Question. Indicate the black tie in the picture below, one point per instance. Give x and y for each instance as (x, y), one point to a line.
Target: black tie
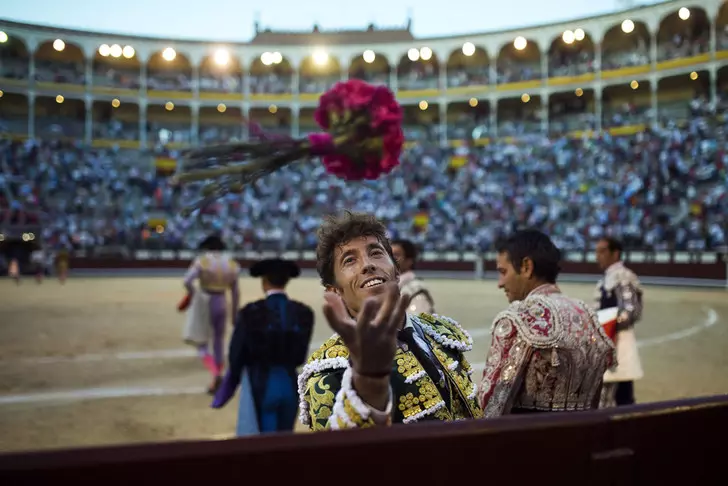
(421, 349)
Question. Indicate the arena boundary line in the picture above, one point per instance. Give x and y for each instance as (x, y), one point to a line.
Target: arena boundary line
(711, 319)
(96, 393)
(153, 354)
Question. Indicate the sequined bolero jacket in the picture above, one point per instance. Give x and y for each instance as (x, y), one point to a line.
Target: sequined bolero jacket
(621, 288)
(328, 400)
(548, 353)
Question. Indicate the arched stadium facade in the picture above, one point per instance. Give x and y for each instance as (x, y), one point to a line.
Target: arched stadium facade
(57, 82)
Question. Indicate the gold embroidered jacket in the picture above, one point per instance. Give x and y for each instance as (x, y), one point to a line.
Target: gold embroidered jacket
(327, 400)
(548, 352)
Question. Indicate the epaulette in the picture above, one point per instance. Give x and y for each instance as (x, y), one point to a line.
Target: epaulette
(621, 276)
(445, 331)
(333, 347)
(537, 320)
(331, 355)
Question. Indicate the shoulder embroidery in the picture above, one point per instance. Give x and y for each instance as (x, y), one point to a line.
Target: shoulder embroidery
(536, 319)
(333, 347)
(621, 276)
(332, 355)
(445, 331)
(505, 321)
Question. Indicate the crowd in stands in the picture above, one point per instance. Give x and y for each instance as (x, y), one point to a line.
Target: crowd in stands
(664, 188)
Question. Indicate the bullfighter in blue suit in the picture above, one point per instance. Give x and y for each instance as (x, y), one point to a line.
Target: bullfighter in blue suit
(270, 340)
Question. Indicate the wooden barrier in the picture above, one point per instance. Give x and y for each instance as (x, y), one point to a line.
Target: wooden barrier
(680, 442)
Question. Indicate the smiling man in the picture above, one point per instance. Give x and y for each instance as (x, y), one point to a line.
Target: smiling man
(383, 365)
(548, 351)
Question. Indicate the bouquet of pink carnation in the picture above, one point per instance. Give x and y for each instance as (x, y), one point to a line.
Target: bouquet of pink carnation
(363, 139)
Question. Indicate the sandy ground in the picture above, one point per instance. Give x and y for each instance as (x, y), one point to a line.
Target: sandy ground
(100, 360)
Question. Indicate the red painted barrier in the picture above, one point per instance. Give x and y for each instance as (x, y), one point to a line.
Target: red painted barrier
(661, 443)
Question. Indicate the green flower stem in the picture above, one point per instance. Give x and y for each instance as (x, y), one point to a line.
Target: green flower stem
(253, 160)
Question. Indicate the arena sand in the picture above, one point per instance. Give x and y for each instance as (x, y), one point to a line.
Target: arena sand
(100, 360)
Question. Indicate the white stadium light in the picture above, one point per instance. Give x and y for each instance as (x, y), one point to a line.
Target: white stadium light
(104, 50)
(627, 26)
(369, 56)
(276, 57)
(468, 49)
(579, 35)
(3, 37)
(266, 58)
(320, 57)
(425, 53)
(59, 45)
(128, 52)
(222, 57)
(568, 37)
(413, 54)
(116, 50)
(520, 43)
(169, 54)
(684, 13)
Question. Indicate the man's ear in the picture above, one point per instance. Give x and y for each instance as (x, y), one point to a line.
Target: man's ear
(527, 267)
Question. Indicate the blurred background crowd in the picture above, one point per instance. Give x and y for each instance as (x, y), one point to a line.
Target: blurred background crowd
(661, 186)
(664, 188)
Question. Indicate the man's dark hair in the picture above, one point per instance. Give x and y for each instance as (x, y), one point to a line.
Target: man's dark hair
(613, 244)
(538, 247)
(339, 230)
(409, 249)
(279, 280)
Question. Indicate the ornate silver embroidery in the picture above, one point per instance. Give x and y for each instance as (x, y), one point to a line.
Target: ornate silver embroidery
(555, 361)
(504, 329)
(626, 287)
